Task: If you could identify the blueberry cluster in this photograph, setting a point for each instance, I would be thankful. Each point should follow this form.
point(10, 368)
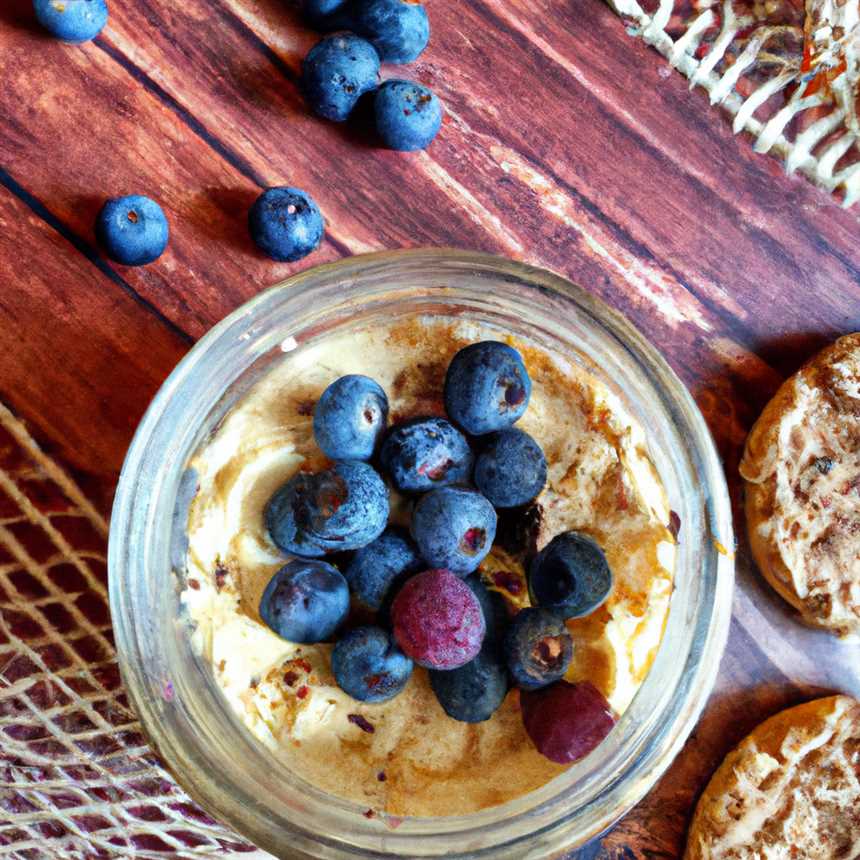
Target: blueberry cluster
point(430, 603)
point(343, 67)
point(285, 222)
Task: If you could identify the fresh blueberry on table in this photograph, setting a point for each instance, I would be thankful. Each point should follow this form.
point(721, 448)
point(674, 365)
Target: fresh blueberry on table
point(340, 509)
point(487, 387)
point(570, 575)
point(349, 417)
point(474, 692)
point(510, 469)
point(437, 620)
point(454, 528)
point(377, 567)
point(408, 115)
point(337, 71)
point(424, 453)
point(566, 721)
point(495, 611)
point(286, 224)
point(305, 601)
point(368, 665)
point(538, 648)
point(327, 14)
point(399, 30)
point(132, 230)
point(72, 20)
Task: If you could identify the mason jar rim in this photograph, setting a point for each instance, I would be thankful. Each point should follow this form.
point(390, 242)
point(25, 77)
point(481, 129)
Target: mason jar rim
point(178, 724)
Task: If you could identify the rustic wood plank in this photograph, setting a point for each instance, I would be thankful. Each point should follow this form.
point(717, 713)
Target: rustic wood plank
point(641, 192)
point(80, 357)
point(88, 115)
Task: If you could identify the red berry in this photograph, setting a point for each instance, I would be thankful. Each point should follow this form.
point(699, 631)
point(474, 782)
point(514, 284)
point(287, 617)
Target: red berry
point(438, 621)
point(566, 721)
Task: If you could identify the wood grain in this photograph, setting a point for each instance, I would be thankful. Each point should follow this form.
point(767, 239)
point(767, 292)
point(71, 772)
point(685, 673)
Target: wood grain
point(566, 144)
point(60, 311)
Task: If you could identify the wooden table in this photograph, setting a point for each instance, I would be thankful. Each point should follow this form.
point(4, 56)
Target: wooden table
point(566, 144)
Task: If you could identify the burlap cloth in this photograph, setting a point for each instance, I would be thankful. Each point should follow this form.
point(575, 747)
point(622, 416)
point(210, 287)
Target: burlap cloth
point(77, 779)
point(788, 72)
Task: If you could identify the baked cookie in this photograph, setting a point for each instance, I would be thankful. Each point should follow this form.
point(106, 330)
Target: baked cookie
point(790, 790)
point(802, 471)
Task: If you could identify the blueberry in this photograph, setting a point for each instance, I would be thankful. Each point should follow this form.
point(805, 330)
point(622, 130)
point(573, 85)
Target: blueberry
point(349, 416)
point(511, 468)
point(72, 20)
point(424, 453)
point(368, 665)
point(305, 601)
point(538, 648)
point(132, 230)
point(487, 387)
point(437, 620)
point(342, 508)
point(286, 224)
point(454, 528)
point(408, 115)
point(566, 721)
point(570, 575)
point(375, 568)
point(327, 14)
point(337, 72)
point(399, 30)
point(495, 611)
point(474, 692)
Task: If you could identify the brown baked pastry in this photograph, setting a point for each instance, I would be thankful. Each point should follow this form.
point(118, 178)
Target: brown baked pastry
point(790, 790)
point(802, 468)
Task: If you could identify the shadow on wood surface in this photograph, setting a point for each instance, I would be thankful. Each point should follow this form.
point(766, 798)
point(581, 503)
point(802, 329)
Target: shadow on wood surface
point(19, 13)
point(788, 352)
point(231, 228)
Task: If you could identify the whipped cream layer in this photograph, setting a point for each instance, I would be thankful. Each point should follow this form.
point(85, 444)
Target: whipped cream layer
point(406, 756)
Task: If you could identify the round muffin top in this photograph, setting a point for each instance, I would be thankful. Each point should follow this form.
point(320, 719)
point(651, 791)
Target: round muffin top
point(790, 789)
point(802, 467)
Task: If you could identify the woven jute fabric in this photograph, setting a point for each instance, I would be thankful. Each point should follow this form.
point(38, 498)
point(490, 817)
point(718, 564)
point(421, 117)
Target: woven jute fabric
point(786, 70)
point(77, 779)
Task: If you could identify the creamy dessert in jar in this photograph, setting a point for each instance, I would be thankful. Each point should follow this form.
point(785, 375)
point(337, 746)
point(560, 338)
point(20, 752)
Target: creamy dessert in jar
point(406, 755)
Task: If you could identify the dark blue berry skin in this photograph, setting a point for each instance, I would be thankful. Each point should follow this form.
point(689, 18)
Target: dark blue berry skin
point(424, 453)
point(495, 611)
point(305, 601)
point(368, 665)
point(336, 72)
point(286, 224)
point(570, 575)
point(72, 20)
point(408, 116)
point(454, 529)
point(349, 417)
point(474, 692)
point(327, 15)
point(377, 567)
point(487, 387)
point(538, 648)
point(340, 509)
point(510, 469)
point(398, 30)
point(133, 230)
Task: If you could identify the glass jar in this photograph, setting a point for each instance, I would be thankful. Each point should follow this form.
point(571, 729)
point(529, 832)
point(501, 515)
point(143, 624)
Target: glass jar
point(209, 750)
